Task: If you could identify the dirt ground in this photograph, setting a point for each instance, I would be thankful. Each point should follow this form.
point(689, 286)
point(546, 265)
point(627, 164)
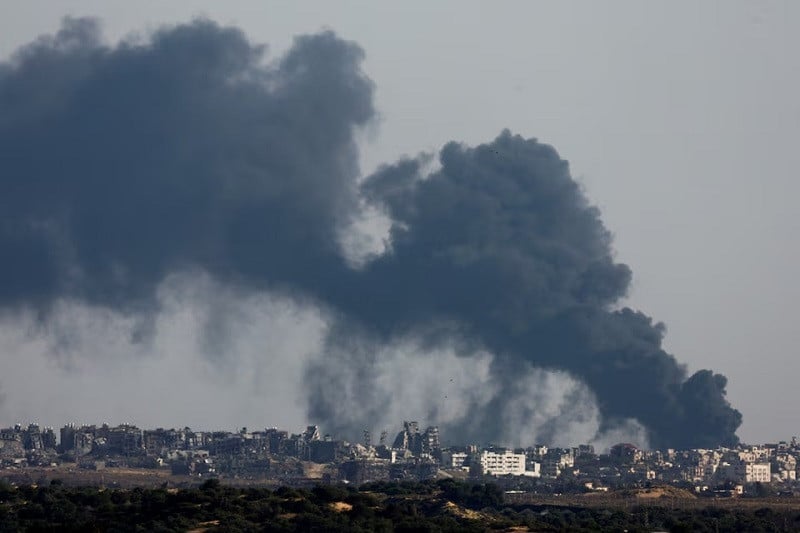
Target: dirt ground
point(108, 477)
point(667, 497)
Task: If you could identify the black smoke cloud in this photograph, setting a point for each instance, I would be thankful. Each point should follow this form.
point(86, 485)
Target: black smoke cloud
point(123, 164)
point(502, 240)
point(120, 165)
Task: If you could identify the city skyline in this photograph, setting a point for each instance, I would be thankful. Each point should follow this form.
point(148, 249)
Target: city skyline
point(273, 454)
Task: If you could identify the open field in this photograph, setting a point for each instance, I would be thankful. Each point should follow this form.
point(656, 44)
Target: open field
point(664, 497)
point(108, 477)
point(73, 476)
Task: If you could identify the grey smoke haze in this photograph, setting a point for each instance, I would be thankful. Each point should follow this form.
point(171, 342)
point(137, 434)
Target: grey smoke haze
point(82, 365)
point(122, 167)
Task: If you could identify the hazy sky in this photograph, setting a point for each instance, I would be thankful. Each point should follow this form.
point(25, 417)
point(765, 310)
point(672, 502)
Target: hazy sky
point(680, 119)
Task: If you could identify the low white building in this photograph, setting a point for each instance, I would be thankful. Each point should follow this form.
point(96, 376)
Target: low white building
point(454, 459)
point(503, 463)
point(533, 469)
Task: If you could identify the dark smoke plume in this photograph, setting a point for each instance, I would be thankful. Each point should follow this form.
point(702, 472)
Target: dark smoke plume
point(121, 165)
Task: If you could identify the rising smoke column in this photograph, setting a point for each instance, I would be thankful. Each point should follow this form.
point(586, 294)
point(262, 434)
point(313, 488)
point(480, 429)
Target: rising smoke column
point(502, 241)
point(122, 165)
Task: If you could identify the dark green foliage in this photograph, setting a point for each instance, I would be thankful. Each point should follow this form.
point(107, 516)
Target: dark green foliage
point(441, 506)
point(210, 484)
point(473, 496)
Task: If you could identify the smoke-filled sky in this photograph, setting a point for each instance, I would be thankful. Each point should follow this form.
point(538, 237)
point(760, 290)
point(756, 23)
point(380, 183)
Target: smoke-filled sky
point(204, 231)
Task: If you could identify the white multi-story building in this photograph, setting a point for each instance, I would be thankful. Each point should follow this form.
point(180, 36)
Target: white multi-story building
point(503, 463)
point(755, 472)
point(785, 466)
point(746, 472)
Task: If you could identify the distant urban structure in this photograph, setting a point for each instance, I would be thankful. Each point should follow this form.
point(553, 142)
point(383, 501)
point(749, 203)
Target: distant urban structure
point(415, 454)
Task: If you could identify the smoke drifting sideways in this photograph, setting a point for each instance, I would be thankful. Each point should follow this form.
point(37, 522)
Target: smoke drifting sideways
point(492, 309)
